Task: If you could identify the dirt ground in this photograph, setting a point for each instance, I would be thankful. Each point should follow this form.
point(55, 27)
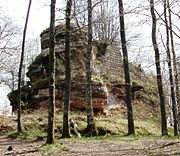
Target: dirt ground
point(14, 147)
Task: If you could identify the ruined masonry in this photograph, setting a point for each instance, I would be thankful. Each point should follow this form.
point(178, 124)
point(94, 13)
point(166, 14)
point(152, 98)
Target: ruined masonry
point(106, 67)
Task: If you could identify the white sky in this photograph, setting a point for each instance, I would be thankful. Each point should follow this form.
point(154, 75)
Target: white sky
point(17, 10)
point(4, 101)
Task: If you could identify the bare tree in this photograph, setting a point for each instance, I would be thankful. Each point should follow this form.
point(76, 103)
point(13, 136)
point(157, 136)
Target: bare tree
point(65, 132)
point(10, 44)
point(19, 125)
point(126, 70)
point(174, 110)
point(174, 65)
point(10, 76)
point(90, 115)
point(105, 27)
point(158, 70)
point(51, 113)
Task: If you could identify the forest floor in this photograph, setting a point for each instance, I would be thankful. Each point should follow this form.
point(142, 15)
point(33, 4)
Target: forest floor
point(91, 147)
point(112, 141)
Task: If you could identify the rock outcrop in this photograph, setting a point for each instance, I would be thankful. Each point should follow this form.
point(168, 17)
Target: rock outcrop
point(106, 65)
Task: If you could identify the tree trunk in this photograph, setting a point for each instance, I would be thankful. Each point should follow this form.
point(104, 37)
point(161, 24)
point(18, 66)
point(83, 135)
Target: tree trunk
point(65, 132)
point(158, 70)
point(90, 116)
point(19, 125)
point(126, 71)
point(175, 66)
point(173, 98)
point(51, 110)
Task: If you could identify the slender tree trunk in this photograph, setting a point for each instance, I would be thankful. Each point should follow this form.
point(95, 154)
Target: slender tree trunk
point(158, 70)
point(13, 80)
point(175, 66)
point(65, 132)
point(90, 116)
point(126, 70)
point(173, 98)
point(51, 110)
point(19, 125)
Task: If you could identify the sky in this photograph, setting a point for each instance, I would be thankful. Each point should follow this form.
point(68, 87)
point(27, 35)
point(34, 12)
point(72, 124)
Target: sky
point(4, 101)
point(38, 18)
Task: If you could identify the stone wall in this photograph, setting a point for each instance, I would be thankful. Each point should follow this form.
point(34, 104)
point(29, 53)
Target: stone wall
point(109, 64)
point(112, 62)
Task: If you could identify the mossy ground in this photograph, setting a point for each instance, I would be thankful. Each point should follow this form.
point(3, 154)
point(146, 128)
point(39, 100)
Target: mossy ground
point(112, 138)
point(35, 124)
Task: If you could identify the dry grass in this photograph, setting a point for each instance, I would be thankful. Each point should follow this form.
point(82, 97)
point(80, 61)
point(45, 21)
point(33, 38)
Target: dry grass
point(35, 124)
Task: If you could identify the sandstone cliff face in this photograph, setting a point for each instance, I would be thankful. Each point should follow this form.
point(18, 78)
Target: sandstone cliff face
point(106, 65)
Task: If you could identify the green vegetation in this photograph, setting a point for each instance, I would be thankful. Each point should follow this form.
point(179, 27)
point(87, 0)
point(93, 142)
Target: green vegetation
point(35, 125)
point(54, 148)
point(36, 65)
point(148, 82)
point(41, 83)
point(111, 129)
point(25, 97)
